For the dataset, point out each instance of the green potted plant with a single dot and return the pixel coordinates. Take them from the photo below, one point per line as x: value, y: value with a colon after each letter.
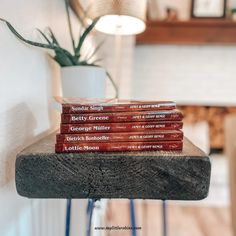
x: 233, y: 13
x: 80, y: 75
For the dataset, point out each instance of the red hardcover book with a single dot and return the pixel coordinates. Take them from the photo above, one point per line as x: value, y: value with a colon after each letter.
x: 78, y: 105
x: 169, y: 115
x: 120, y: 146
x: 121, y: 137
x: 120, y: 127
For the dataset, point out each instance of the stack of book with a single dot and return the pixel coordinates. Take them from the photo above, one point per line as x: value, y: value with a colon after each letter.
x: 119, y: 125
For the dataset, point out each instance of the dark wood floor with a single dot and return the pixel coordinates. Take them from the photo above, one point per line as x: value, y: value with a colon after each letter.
x: 183, y: 220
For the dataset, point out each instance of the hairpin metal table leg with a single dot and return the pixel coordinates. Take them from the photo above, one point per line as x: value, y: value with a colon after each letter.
x: 90, y: 208
x: 68, y: 217
x: 132, y: 217
x: 164, y: 217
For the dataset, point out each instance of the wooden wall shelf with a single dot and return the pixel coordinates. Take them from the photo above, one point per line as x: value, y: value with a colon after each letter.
x: 189, y: 32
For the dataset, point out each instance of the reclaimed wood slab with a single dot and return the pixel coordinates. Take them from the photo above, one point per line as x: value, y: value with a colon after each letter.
x: 42, y: 173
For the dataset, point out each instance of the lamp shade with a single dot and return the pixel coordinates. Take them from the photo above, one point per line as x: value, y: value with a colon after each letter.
x: 125, y: 17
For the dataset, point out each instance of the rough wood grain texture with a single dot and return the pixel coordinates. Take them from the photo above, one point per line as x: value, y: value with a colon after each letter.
x: 189, y: 32
x: 41, y: 173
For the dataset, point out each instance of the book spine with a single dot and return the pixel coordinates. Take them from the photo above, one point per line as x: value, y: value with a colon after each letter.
x: 123, y: 146
x: 120, y: 137
x: 121, y: 117
x: 78, y: 108
x: 119, y: 127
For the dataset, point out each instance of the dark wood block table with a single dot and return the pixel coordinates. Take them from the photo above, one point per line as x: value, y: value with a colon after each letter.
x: 42, y: 173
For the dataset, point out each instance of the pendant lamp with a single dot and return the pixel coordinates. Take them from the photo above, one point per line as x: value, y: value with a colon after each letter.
x: 124, y: 17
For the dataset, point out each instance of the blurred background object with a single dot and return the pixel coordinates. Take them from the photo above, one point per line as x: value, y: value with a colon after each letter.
x: 230, y: 140
x: 171, y: 13
x: 208, y: 9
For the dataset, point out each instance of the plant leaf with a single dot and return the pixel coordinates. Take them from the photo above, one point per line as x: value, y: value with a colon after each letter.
x: 84, y: 35
x: 44, y: 36
x: 60, y: 52
x: 69, y: 24
x: 62, y: 59
x: 54, y: 40
x: 68, y: 58
x: 62, y: 56
x: 41, y: 45
x: 113, y: 83
x: 72, y: 58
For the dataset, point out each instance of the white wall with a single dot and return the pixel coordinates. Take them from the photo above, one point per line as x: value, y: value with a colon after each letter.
x: 186, y: 74
x: 27, y: 83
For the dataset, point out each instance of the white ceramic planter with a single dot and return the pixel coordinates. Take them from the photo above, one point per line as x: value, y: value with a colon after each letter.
x: 83, y: 81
